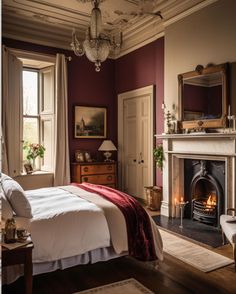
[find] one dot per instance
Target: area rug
(193, 254)
(129, 286)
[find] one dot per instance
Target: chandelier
(96, 45)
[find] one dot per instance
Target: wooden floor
(172, 276)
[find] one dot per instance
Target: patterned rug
(193, 254)
(130, 286)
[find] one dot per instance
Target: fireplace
(204, 190)
(188, 150)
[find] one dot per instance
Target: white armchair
(228, 226)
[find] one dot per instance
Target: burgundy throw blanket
(140, 238)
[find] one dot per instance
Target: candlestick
(175, 208)
(182, 206)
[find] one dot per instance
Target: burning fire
(211, 201)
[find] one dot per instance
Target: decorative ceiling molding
(50, 22)
(188, 12)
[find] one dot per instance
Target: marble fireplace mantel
(199, 146)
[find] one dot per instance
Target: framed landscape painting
(90, 122)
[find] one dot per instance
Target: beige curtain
(62, 163)
(12, 93)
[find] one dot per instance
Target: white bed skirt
(12, 273)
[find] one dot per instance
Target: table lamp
(107, 146)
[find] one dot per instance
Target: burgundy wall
(85, 87)
(140, 68)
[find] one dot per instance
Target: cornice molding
(138, 33)
(188, 12)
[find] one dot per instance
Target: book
(15, 245)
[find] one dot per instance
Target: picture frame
(28, 168)
(79, 156)
(87, 156)
(90, 122)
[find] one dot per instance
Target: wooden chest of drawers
(101, 173)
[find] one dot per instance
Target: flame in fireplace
(211, 201)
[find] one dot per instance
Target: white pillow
(5, 177)
(16, 196)
(7, 211)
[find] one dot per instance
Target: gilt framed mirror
(203, 97)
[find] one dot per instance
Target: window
(38, 111)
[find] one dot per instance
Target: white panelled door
(136, 140)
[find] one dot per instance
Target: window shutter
(47, 110)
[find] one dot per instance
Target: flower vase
(33, 164)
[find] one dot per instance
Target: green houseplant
(159, 155)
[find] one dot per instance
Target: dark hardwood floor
(172, 276)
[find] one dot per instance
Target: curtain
(12, 93)
(61, 160)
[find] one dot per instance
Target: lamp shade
(107, 145)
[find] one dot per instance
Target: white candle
(175, 213)
(229, 110)
(163, 105)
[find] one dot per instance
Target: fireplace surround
(215, 147)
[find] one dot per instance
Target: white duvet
(64, 224)
(68, 221)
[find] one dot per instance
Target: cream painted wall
(206, 36)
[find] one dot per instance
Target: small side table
(20, 255)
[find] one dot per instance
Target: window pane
(30, 92)
(30, 131)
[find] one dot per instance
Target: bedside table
(20, 255)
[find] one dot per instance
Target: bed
(79, 224)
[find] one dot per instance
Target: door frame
(140, 92)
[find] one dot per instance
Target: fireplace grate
(204, 212)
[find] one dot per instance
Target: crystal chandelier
(96, 45)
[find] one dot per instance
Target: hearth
(204, 189)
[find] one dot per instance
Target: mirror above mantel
(203, 97)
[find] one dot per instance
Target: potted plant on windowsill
(33, 150)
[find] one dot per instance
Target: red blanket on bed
(140, 237)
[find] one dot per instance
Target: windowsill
(38, 172)
(36, 180)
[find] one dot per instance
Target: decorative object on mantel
(171, 122)
(107, 146)
(97, 45)
(231, 121)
